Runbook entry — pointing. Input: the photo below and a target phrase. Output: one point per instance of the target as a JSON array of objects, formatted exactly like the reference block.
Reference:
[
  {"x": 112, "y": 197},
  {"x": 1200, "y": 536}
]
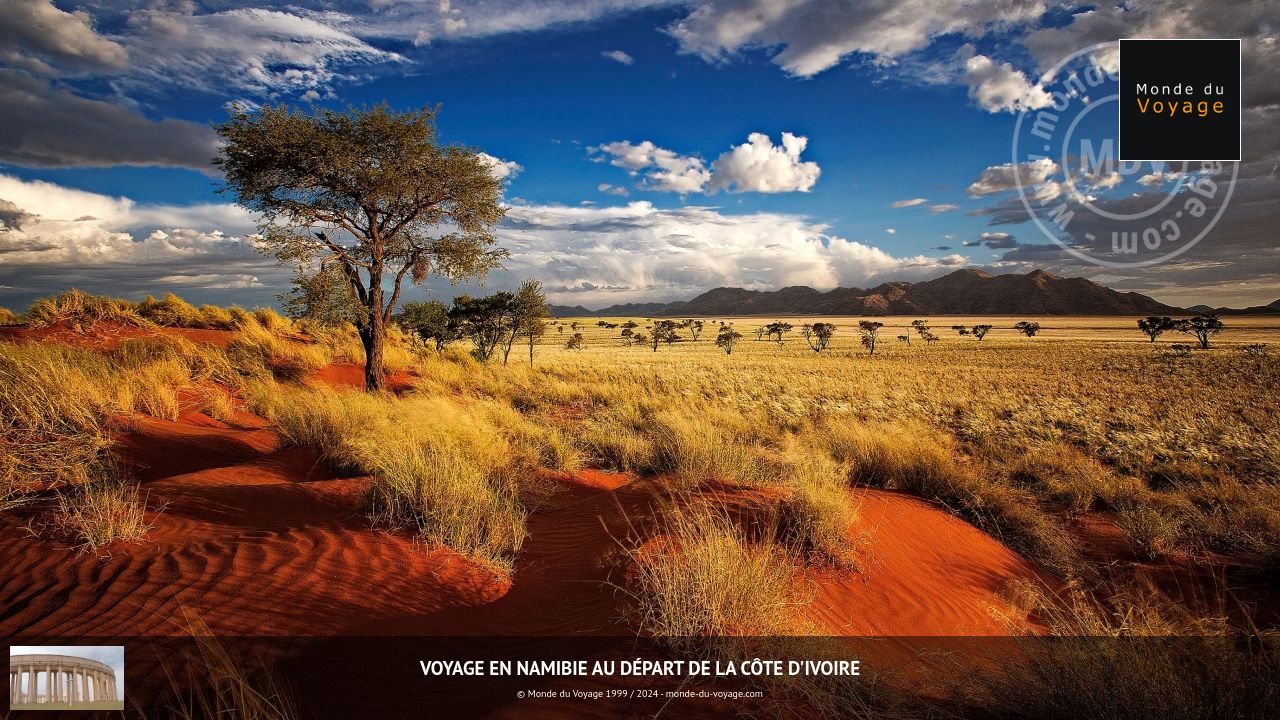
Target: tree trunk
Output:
[{"x": 374, "y": 336}]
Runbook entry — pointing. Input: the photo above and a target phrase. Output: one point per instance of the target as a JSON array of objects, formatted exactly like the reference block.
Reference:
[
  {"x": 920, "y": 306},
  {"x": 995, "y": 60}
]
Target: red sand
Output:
[{"x": 351, "y": 375}]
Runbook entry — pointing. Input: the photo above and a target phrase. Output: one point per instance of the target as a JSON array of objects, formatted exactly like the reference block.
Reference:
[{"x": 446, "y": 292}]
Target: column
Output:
[{"x": 75, "y": 686}]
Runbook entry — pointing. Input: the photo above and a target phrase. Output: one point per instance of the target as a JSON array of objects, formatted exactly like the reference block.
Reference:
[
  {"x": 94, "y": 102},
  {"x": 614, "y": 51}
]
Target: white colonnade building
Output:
[{"x": 36, "y": 679}]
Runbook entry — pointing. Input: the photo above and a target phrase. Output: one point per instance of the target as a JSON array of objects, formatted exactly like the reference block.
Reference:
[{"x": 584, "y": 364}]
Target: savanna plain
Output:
[{"x": 172, "y": 470}]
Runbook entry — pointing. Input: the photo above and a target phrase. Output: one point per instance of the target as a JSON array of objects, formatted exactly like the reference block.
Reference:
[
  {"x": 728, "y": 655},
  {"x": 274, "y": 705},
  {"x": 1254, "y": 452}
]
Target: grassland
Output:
[{"x": 1038, "y": 442}]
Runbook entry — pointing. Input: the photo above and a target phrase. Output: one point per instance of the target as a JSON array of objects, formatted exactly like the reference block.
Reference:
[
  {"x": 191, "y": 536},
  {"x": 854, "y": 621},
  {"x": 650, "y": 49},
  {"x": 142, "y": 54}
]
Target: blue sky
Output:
[{"x": 645, "y": 149}]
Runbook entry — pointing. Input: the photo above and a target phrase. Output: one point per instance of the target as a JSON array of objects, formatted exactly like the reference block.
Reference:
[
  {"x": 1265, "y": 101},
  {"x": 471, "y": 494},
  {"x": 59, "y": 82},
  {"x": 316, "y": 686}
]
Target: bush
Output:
[
  {"x": 9, "y": 317},
  {"x": 99, "y": 513}
]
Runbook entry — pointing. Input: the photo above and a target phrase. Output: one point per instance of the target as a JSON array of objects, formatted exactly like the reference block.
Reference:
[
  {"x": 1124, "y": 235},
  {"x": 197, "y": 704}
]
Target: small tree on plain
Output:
[
  {"x": 960, "y": 330},
  {"x": 574, "y": 342},
  {"x": 980, "y": 331},
  {"x": 921, "y": 327},
  {"x": 429, "y": 321},
  {"x": 1154, "y": 326},
  {"x": 818, "y": 335},
  {"x": 664, "y": 331},
  {"x": 726, "y": 338},
  {"x": 776, "y": 330},
  {"x": 528, "y": 317},
  {"x": 487, "y": 321},
  {"x": 695, "y": 329},
  {"x": 1203, "y": 327},
  {"x": 930, "y": 338},
  {"x": 1027, "y": 328},
  {"x": 869, "y": 330},
  {"x": 760, "y": 331}
]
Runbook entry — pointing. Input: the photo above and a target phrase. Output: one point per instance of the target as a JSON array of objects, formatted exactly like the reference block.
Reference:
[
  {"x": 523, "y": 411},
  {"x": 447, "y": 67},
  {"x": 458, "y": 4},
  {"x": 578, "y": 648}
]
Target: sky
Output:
[
  {"x": 112, "y": 655},
  {"x": 650, "y": 150}
]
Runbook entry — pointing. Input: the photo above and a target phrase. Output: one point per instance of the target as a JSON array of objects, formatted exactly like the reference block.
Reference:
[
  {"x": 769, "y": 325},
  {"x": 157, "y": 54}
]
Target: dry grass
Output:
[
  {"x": 107, "y": 510},
  {"x": 82, "y": 311},
  {"x": 706, "y": 578},
  {"x": 9, "y": 317},
  {"x": 1136, "y": 655},
  {"x": 443, "y": 468}
]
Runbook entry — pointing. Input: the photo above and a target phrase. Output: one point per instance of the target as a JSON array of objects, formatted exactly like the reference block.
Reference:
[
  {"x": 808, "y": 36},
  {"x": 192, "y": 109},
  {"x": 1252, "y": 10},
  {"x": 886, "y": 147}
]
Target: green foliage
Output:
[
  {"x": 429, "y": 322},
  {"x": 818, "y": 335},
  {"x": 727, "y": 338},
  {"x": 390, "y": 199}
]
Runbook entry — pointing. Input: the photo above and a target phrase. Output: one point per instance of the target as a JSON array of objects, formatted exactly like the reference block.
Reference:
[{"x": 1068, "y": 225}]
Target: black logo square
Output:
[{"x": 1179, "y": 100}]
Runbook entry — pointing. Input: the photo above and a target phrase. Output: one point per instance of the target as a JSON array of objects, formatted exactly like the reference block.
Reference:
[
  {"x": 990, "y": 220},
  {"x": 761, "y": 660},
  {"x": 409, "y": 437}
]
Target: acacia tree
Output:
[
  {"x": 1026, "y": 327},
  {"x": 980, "y": 331},
  {"x": 663, "y": 331},
  {"x": 727, "y": 337},
  {"x": 1153, "y": 326},
  {"x": 532, "y": 312},
  {"x": 869, "y": 330},
  {"x": 485, "y": 320},
  {"x": 429, "y": 321},
  {"x": 921, "y": 327},
  {"x": 1203, "y": 327},
  {"x": 818, "y": 335},
  {"x": 369, "y": 191},
  {"x": 776, "y": 330}
]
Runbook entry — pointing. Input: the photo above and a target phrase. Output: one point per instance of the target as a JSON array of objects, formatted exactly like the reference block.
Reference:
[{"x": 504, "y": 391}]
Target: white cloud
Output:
[
  {"x": 1002, "y": 178},
  {"x": 997, "y": 87},
  {"x": 35, "y": 33},
  {"x": 908, "y": 203},
  {"x": 809, "y": 36},
  {"x": 754, "y": 166},
  {"x": 760, "y": 166},
  {"x": 502, "y": 169},
  {"x": 639, "y": 252},
  {"x": 891, "y": 231},
  {"x": 943, "y": 207},
  {"x": 252, "y": 50},
  {"x": 112, "y": 244},
  {"x": 661, "y": 169},
  {"x": 619, "y": 57},
  {"x": 609, "y": 189}
]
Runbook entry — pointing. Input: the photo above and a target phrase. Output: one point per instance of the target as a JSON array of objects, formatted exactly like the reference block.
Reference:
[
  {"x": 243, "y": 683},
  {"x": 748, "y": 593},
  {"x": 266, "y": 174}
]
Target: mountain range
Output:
[{"x": 963, "y": 292}]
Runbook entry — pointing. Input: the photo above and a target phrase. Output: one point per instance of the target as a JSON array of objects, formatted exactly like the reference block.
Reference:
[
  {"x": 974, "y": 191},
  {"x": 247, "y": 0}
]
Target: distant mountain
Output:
[
  {"x": 1269, "y": 309},
  {"x": 963, "y": 292},
  {"x": 624, "y": 310}
]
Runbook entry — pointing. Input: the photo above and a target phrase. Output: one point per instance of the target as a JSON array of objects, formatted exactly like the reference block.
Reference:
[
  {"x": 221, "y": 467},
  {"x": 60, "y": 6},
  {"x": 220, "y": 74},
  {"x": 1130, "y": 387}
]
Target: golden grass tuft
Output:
[
  {"x": 82, "y": 311},
  {"x": 101, "y": 512},
  {"x": 705, "y": 578},
  {"x": 9, "y": 317}
]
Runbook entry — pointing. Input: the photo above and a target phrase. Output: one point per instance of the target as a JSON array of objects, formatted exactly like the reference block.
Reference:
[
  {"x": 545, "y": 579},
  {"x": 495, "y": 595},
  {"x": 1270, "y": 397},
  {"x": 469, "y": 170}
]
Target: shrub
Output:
[{"x": 9, "y": 317}]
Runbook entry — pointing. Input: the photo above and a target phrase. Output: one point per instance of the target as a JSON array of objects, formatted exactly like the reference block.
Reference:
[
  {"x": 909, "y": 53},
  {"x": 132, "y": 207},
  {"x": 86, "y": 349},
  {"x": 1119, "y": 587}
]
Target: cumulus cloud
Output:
[
  {"x": 907, "y": 203},
  {"x": 998, "y": 87},
  {"x": 760, "y": 166},
  {"x": 997, "y": 240},
  {"x": 809, "y": 37},
  {"x": 610, "y": 189},
  {"x": 502, "y": 169},
  {"x": 639, "y": 252},
  {"x": 49, "y": 127},
  {"x": 660, "y": 168},
  {"x": 754, "y": 166},
  {"x": 1002, "y": 178},
  {"x": 35, "y": 35},
  {"x": 619, "y": 56},
  {"x": 111, "y": 244}
]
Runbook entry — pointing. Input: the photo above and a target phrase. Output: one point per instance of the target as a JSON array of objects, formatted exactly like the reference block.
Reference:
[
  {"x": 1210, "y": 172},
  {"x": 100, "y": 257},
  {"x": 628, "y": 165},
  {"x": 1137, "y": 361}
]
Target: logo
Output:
[{"x": 1072, "y": 185}]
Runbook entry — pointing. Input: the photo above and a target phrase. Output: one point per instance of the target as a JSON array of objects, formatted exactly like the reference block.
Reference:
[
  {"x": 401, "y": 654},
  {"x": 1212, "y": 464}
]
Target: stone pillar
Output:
[{"x": 75, "y": 685}]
